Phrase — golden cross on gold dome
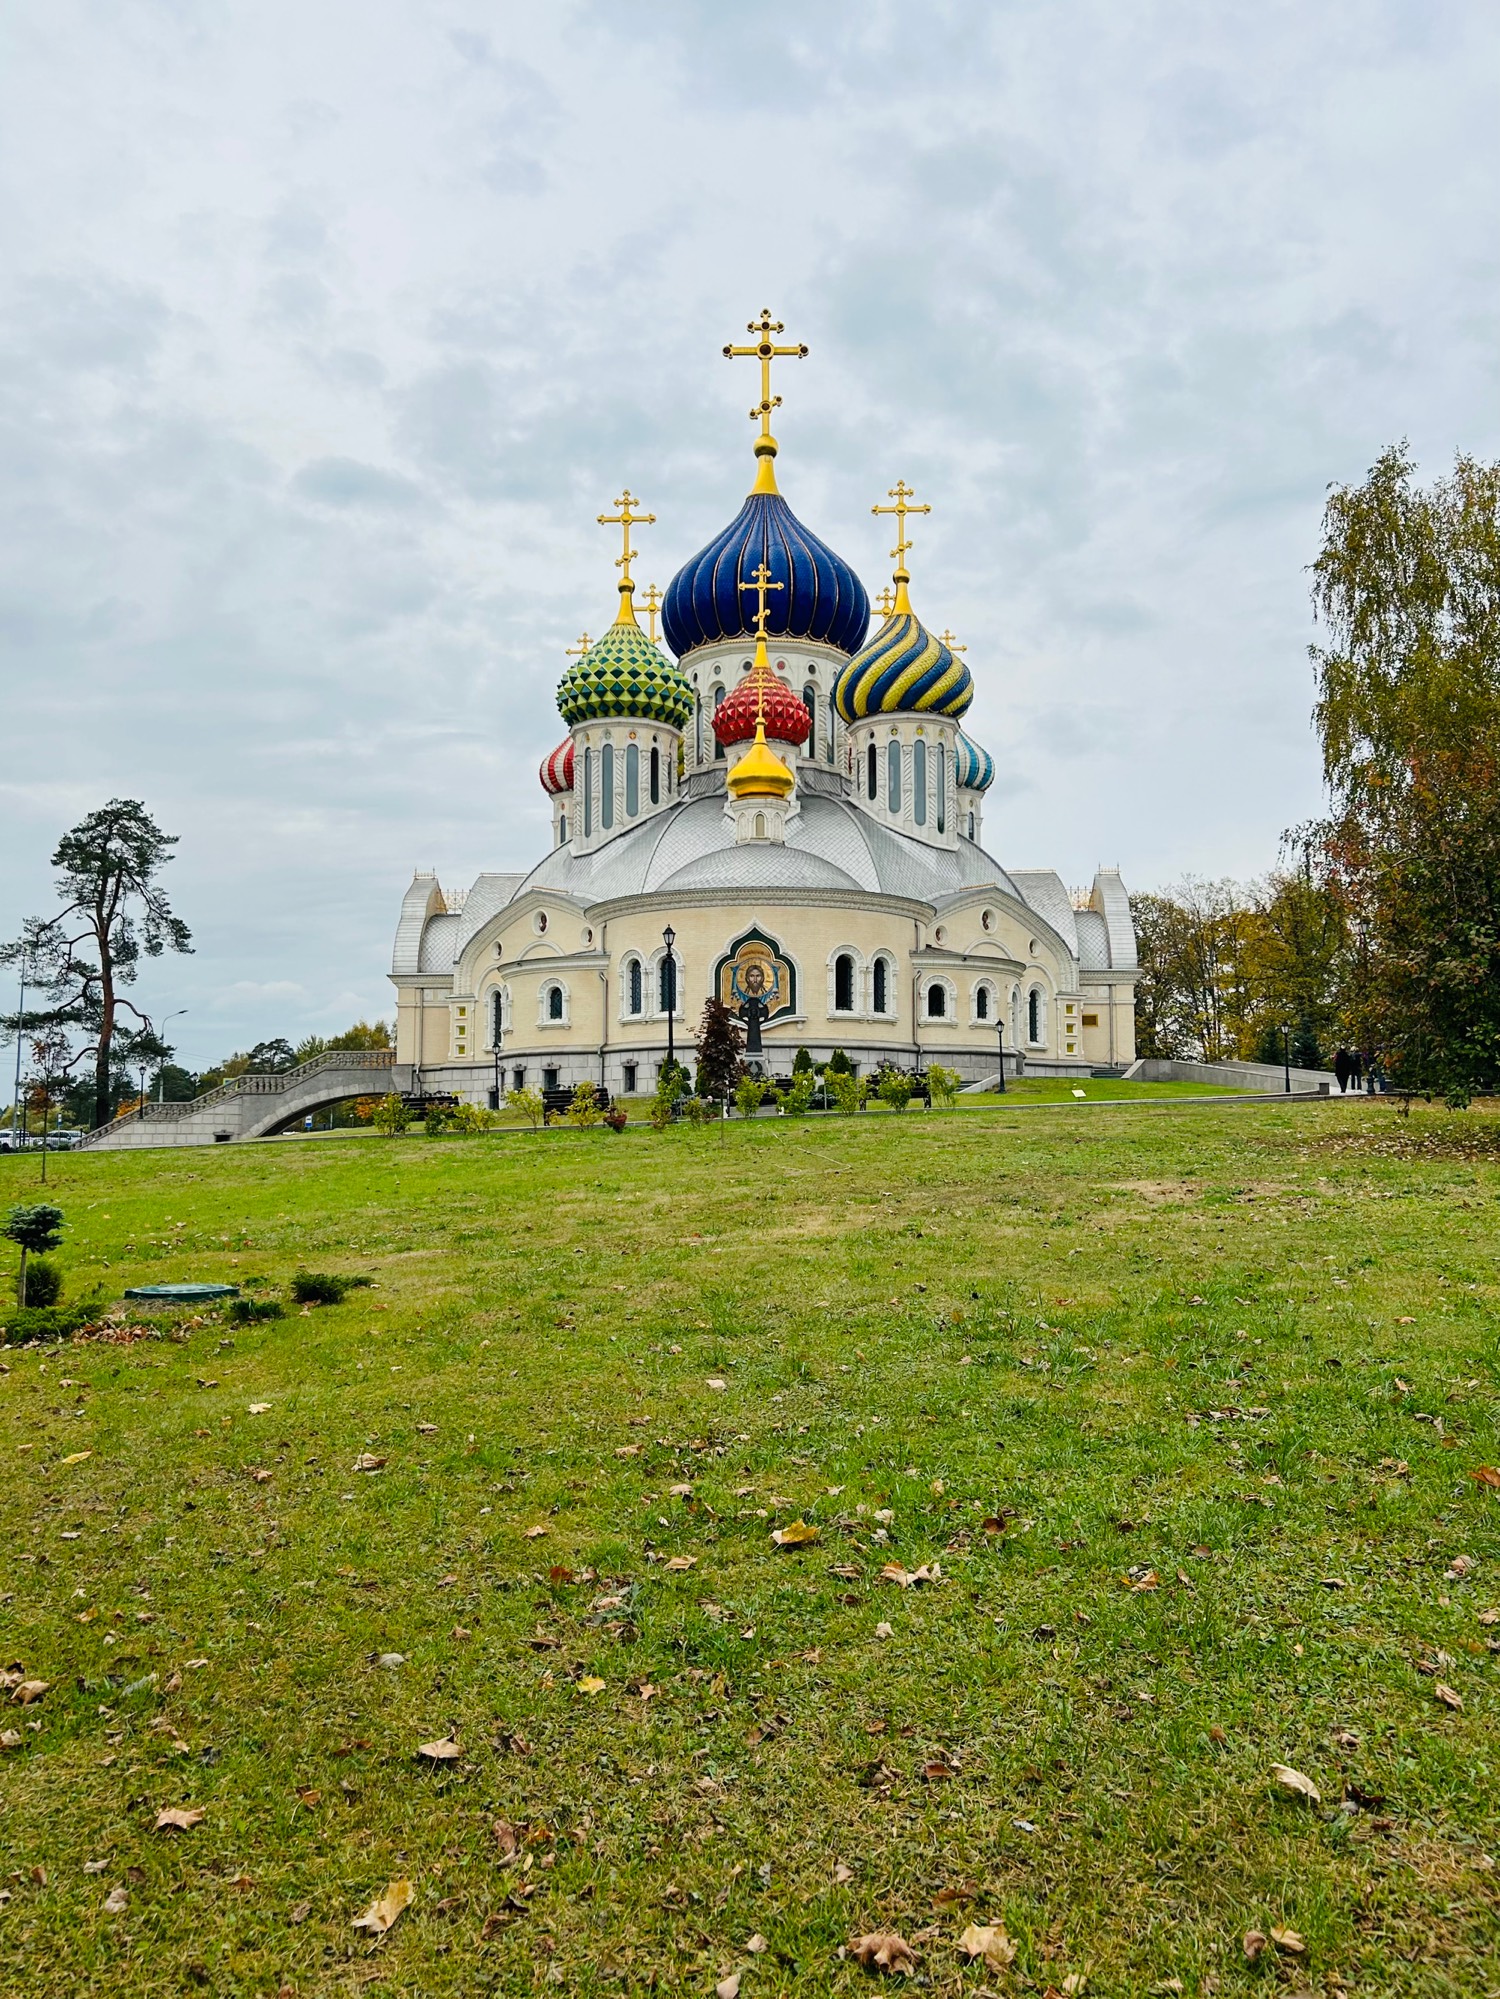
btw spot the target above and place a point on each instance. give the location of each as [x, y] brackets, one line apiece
[577, 652]
[901, 493]
[760, 582]
[885, 603]
[626, 519]
[651, 604]
[951, 642]
[765, 351]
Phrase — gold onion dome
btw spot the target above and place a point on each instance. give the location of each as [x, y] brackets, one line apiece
[760, 773]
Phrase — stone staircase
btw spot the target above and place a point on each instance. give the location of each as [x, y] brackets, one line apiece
[258, 1106]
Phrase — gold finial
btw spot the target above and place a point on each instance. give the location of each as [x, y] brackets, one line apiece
[885, 603]
[577, 652]
[760, 672]
[901, 493]
[651, 604]
[626, 519]
[760, 773]
[951, 642]
[765, 351]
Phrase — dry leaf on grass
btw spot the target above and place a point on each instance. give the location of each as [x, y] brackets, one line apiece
[535, 1533]
[728, 1988]
[117, 1901]
[179, 1818]
[446, 1750]
[756, 1944]
[261, 1476]
[1289, 1941]
[884, 1630]
[715, 1381]
[989, 1941]
[367, 1461]
[1486, 1475]
[384, 1910]
[259, 1408]
[29, 1691]
[1294, 1781]
[680, 1562]
[796, 1534]
[883, 1950]
[1447, 1696]
[10, 1738]
[591, 1684]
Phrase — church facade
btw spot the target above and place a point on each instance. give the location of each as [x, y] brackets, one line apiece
[779, 808]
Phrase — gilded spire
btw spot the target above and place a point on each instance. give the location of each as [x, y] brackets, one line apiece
[765, 351]
[626, 519]
[901, 493]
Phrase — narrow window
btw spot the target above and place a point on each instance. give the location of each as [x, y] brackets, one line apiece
[588, 793]
[667, 985]
[549, 1079]
[942, 787]
[982, 1003]
[718, 704]
[562, 829]
[630, 1079]
[937, 1002]
[872, 773]
[893, 777]
[971, 825]
[518, 1079]
[760, 825]
[632, 780]
[497, 1018]
[919, 781]
[655, 775]
[810, 703]
[843, 983]
[832, 730]
[697, 728]
[607, 787]
[554, 1002]
[1034, 1015]
[877, 995]
[635, 997]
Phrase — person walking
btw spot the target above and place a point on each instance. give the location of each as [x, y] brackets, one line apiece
[1356, 1069]
[1343, 1068]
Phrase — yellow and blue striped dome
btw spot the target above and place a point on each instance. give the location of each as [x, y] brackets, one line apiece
[973, 768]
[903, 670]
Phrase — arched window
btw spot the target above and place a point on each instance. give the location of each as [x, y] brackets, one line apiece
[810, 703]
[831, 731]
[971, 825]
[666, 985]
[1034, 1014]
[760, 825]
[697, 728]
[718, 704]
[554, 1002]
[588, 793]
[982, 1003]
[872, 774]
[937, 1002]
[607, 787]
[843, 983]
[632, 780]
[893, 777]
[635, 997]
[497, 1018]
[878, 984]
[918, 782]
[655, 775]
[562, 829]
[942, 787]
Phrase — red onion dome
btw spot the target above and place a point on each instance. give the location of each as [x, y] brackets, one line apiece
[557, 770]
[787, 721]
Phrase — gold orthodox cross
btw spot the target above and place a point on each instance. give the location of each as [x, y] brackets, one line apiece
[577, 652]
[651, 604]
[952, 643]
[626, 519]
[901, 493]
[885, 603]
[765, 351]
[760, 583]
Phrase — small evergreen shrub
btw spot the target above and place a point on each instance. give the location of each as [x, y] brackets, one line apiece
[894, 1088]
[251, 1311]
[839, 1064]
[44, 1281]
[321, 1287]
[21, 1326]
[802, 1063]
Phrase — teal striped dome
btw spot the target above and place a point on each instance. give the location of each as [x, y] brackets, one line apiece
[624, 674]
[973, 768]
[903, 670]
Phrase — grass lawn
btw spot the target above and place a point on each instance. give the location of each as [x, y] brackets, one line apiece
[1179, 1410]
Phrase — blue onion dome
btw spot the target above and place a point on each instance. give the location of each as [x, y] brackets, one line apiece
[903, 670]
[625, 674]
[820, 598]
[973, 768]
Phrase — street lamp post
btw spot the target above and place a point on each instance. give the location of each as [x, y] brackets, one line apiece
[161, 1079]
[669, 938]
[15, 1114]
[1000, 1037]
[1286, 1058]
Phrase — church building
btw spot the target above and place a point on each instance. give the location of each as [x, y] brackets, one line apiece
[779, 807]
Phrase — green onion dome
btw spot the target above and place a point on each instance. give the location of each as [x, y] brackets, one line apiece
[903, 670]
[625, 674]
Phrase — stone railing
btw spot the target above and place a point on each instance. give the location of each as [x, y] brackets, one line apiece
[252, 1086]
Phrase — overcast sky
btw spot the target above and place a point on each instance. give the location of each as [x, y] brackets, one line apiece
[328, 326]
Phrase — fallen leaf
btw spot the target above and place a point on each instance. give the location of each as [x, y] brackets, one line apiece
[95, 1866]
[1344, 1738]
[680, 1491]
[10, 1738]
[939, 1770]
[259, 1408]
[29, 1691]
[260, 1476]
[389, 1661]
[728, 1988]
[428, 1429]
[117, 1901]
[1254, 1945]
[384, 1910]
[716, 1381]
[884, 1630]
[1289, 1941]
[535, 1533]
[989, 1941]
[367, 1461]
[1294, 1781]
[796, 1534]
[882, 1950]
[1447, 1696]
[179, 1818]
[1487, 1475]
[680, 1562]
[756, 1944]
[444, 1751]
[591, 1684]
[841, 1873]
[75, 1457]
[300, 1913]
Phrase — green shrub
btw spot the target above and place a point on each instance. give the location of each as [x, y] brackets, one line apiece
[802, 1063]
[44, 1281]
[799, 1097]
[529, 1104]
[894, 1088]
[20, 1326]
[468, 1120]
[839, 1064]
[849, 1092]
[584, 1110]
[321, 1287]
[391, 1116]
[750, 1093]
[700, 1110]
[251, 1311]
[943, 1084]
[671, 1085]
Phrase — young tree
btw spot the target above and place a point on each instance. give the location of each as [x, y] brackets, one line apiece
[719, 1045]
[114, 910]
[34, 1230]
[1407, 585]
